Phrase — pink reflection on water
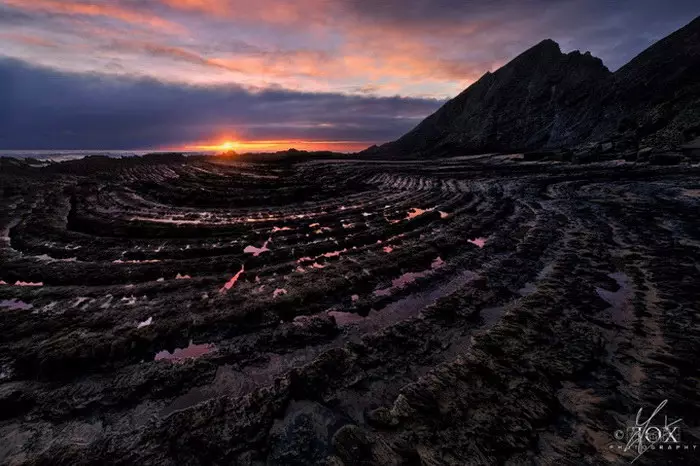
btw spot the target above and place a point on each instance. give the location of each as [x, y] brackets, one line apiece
[21, 283]
[182, 277]
[387, 249]
[191, 352]
[147, 261]
[479, 242]
[334, 253]
[276, 229]
[257, 251]
[279, 292]
[444, 214]
[410, 277]
[229, 284]
[415, 212]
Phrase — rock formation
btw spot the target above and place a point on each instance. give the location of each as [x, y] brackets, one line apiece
[545, 99]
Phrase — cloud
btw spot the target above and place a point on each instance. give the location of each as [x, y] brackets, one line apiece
[45, 109]
[410, 47]
[344, 48]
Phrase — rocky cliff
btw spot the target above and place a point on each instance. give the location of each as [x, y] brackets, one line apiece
[546, 99]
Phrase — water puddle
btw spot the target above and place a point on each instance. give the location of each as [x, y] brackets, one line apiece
[15, 304]
[182, 277]
[409, 277]
[21, 283]
[257, 251]
[528, 289]
[279, 292]
[443, 215]
[404, 308]
[691, 192]
[478, 242]
[415, 212]
[145, 323]
[620, 300]
[229, 284]
[387, 249]
[147, 261]
[276, 229]
[333, 253]
[47, 258]
[181, 354]
[129, 301]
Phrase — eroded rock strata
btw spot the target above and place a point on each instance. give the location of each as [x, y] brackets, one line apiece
[473, 310]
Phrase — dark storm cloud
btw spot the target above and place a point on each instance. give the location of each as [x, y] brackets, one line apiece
[40, 108]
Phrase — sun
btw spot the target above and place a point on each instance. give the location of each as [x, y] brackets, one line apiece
[228, 146]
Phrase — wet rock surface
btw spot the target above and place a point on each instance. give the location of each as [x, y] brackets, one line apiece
[471, 310]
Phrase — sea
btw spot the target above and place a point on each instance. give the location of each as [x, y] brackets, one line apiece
[64, 155]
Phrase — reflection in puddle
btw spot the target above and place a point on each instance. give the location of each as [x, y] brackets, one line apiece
[279, 292]
[407, 307]
[257, 251]
[147, 261]
[691, 192]
[182, 277]
[21, 283]
[145, 323]
[229, 284]
[191, 352]
[443, 215]
[387, 249]
[333, 253]
[528, 289]
[620, 300]
[479, 242]
[410, 277]
[415, 212]
[276, 229]
[15, 304]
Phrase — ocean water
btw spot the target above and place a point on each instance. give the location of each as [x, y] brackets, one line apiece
[63, 155]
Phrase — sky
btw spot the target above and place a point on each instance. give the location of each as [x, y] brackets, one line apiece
[273, 74]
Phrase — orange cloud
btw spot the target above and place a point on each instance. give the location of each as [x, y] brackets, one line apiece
[27, 39]
[94, 9]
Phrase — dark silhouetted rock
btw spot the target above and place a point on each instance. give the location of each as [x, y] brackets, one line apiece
[545, 99]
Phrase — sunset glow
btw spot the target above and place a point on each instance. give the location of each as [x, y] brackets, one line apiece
[274, 146]
[233, 75]
[228, 146]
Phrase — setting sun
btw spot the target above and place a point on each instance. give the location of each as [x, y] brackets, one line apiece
[228, 146]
